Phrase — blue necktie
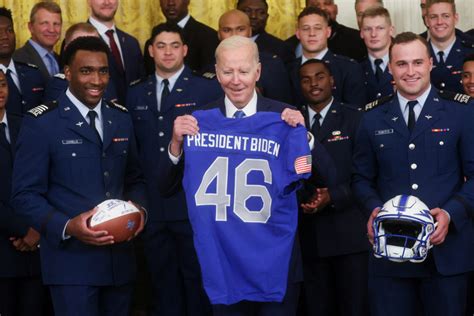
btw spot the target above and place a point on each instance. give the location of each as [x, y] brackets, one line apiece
[53, 65]
[411, 115]
[239, 114]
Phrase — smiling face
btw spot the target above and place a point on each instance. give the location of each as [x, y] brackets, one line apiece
[468, 77]
[410, 65]
[103, 10]
[238, 72]
[45, 28]
[441, 21]
[88, 76]
[316, 85]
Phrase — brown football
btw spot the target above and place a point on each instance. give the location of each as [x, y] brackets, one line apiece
[119, 218]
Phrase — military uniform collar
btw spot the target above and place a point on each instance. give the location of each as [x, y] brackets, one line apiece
[446, 51]
[421, 100]
[319, 56]
[82, 108]
[172, 80]
[323, 113]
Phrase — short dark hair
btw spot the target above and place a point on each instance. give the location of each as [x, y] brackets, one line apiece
[313, 10]
[468, 58]
[429, 3]
[87, 43]
[408, 37]
[316, 61]
[166, 27]
[376, 11]
[7, 13]
[239, 2]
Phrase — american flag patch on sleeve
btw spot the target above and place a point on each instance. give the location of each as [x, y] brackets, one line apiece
[303, 164]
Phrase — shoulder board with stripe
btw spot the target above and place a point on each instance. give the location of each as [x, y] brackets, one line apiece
[376, 103]
[209, 75]
[467, 43]
[43, 108]
[456, 97]
[117, 106]
[60, 76]
[135, 82]
[26, 64]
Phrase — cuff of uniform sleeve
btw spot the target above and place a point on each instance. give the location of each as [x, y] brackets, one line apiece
[174, 160]
[457, 213]
[66, 236]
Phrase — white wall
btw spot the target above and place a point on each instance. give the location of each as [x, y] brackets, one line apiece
[406, 14]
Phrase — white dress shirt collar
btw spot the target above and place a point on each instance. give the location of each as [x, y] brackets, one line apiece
[249, 109]
[319, 56]
[184, 21]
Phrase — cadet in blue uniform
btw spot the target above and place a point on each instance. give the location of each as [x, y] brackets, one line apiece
[335, 268]
[21, 290]
[377, 32]
[447, 49]
[172, 261]
[58, 83]
[313, 32]
[419, 142]
[71, 155]
[25, 83]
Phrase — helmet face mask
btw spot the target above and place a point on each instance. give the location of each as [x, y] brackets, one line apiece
[402, 230]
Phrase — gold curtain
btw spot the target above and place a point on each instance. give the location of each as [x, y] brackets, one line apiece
[137, 17]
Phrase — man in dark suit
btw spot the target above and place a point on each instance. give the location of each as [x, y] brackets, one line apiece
[448, 49]
[25, 83]
[45, 28]
[200, 38]
[72, 154]
[257, 11]
[377, 31]
[419, 142]
[126, 62]
[335, 268]
[21, 289]
[234, 54]
[154, 103]
[342, 41]
[313, 31]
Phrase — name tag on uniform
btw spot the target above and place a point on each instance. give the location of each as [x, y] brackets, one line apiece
[141, 108]
[71, 141]
[182, 105]
[116, 140]
[384, 132]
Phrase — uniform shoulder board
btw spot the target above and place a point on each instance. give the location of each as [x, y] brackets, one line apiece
[135, 82]
[457, 97]
[117, 106]
[60, 76]
[26, 64]
[376, 103]
[43, 108]
[349, 106]
[342, 57]
[209, 75]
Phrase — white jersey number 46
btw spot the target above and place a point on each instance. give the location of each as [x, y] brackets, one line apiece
[219, 170]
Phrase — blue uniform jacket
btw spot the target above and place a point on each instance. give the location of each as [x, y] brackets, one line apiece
[448, 76]
[429, 163]
[32, 89]
[14, 263]
[348, 80]
[153, 130]
[59, 84]
[339, 228]
[60, 171]
[375, 89]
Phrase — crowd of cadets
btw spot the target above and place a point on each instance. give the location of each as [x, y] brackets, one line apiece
[157, 86]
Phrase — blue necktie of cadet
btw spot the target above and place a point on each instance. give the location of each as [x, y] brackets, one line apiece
[92, 115]
[411, 115]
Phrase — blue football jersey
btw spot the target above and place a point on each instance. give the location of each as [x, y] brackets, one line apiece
[240, 178]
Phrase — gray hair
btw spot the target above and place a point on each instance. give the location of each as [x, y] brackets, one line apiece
[235, 42]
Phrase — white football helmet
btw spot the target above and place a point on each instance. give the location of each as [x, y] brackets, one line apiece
[402, 230]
